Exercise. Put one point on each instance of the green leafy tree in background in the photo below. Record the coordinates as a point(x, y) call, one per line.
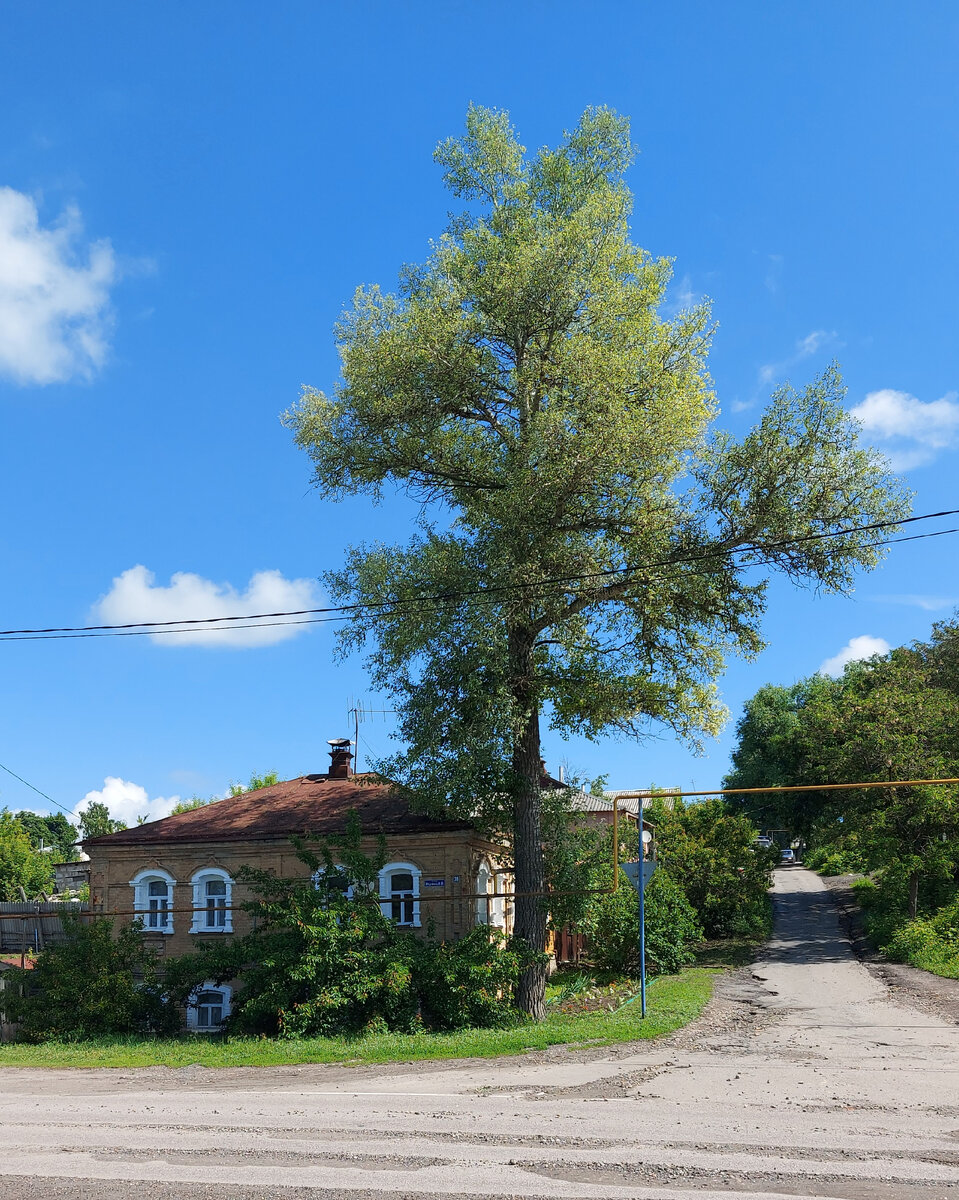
point(267, 779)
point(591, 551)
point(95, 821)
point(52, 830)
point(21, 866)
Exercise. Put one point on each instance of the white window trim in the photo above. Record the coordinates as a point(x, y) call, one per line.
point(193, 1012)
point(199, 900)
point(321, 871)
point(141, 897)
point(386, 891)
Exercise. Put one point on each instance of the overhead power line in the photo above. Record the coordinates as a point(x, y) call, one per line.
point(27, 783)
point(341, 612)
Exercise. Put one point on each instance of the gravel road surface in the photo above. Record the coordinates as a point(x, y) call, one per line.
point(806, 1076)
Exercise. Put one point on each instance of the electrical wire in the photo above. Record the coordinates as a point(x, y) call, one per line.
point(312, 616)
point(28, 784)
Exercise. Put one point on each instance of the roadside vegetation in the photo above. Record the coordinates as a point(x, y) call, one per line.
point(674, 1001)
point(326, 973)
point(893, 716)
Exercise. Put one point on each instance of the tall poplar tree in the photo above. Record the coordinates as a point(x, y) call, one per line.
point(588, 553)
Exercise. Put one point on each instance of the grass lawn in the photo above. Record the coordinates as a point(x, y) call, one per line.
point(673, 1001)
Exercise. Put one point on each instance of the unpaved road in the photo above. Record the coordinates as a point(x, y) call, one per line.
point(804, 1078)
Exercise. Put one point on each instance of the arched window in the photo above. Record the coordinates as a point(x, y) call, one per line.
point(484, 908)
point(208, 1007)
point(491, 911)
point(212, 901)
point(153, 899)
point(399, 893)
point(333, 883)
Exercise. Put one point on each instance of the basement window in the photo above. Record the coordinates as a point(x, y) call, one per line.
point(208, 1007)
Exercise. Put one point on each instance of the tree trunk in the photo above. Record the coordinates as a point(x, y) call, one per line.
point(529, 923)
point(913, 895)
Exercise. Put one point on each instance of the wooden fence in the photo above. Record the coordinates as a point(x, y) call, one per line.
point(34, 924)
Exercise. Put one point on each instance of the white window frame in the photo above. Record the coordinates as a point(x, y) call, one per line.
point(141, 898)
point(200, 909)
point(387, 896)
point(193, 1007)
point(317, 876)
point(492, 912)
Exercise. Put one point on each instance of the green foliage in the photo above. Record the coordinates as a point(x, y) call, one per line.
point(92, 985)
point(324, 962)
point(672, 930)
point(673, 1002)
point(21, 866)
point(525, 386)
point(95, 821)
point(711, 853)
point(257, 781)
point(52, 830)
point(894, 716)
point(469, 983)
point(191, 804)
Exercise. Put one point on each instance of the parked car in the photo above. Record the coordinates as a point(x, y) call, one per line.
point(787, 858)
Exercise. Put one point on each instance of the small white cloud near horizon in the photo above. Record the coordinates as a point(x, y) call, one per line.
point(136, 597)
point(864, 646)
point(909, 430)
point(806, 347)
point(55, 317)
point(126, 801)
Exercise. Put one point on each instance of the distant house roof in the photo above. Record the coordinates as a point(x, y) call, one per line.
point(311, 804)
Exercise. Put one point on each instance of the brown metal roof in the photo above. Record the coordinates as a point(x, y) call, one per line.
point(312, 804)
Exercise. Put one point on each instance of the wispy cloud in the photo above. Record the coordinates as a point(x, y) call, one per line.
point(864, 646)
point(774, 270)
point(915, 600)
point(136, 597)
point(806, 347)
point(911, 431)
point(682, 295)
point(55, 318)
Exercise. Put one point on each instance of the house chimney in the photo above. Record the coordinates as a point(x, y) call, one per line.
point(341, 758)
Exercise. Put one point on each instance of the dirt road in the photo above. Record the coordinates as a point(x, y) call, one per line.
point(804, 1078)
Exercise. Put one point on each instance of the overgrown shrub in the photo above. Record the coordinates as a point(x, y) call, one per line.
point(323, 960)
point(468, 983)
point(91, 985)
point(711, 854)
point(672, 929)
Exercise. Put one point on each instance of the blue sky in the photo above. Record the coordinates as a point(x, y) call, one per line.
point(190, 194)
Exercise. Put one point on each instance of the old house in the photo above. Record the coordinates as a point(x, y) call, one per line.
point(178, 876)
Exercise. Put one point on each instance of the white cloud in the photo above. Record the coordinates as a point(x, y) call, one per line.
point(136, 597)
point(926, 603)
point(806, 347)
point(864, 646)
point(54, 295)
point(914, 430)
point(126, 801)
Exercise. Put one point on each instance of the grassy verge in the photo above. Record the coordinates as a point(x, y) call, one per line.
point(674, 1001)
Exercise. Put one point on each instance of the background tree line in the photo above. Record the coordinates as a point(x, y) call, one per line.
point(893, 716)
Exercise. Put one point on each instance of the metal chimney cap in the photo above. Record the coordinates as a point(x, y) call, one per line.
point(339, 742)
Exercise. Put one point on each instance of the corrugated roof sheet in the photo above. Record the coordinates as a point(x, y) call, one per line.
point(311, 804)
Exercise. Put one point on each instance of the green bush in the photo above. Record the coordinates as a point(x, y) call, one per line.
point(323, 962)
point(469, 983)
point(836, 860)
point(672, 929)
point(92, 985)
point(711, 854)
